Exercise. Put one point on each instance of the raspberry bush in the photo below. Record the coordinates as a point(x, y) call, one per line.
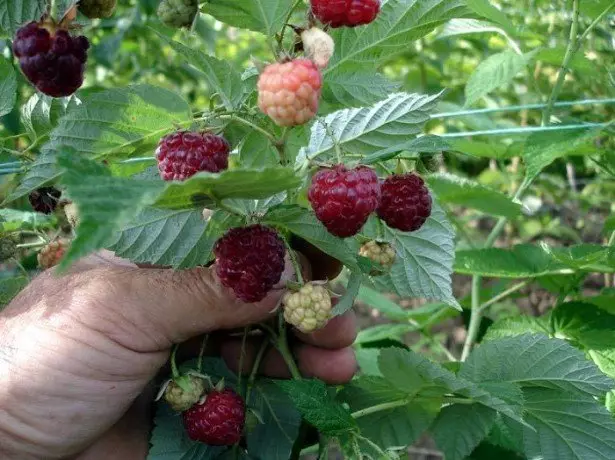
point(472, 227)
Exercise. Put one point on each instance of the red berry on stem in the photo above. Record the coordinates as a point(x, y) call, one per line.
point(344, 198)
point(349, 13)
point(250, 261)
point(288, 93)
point(405, 203)
point(218, 421)
point(183, 154)
point(54, 62)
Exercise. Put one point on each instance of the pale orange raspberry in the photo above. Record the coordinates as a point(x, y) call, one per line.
point(51, 254)
point(289, 92)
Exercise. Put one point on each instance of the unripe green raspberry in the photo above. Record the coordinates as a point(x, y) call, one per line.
point(7, 249)
point(185, 391)
point(381, 254)
point(308, 309)
point(178, 13)
point(97, 8)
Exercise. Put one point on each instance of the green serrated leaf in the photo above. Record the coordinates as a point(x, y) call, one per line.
point(495, 71)
point(425, 260)
point(415, 374)
point(15, 13)
point(274, 437)
point(542, 148)
point(399, 425)
point(463, 26)
point(265, 16)
point(354, 87)
point(535, 360)
point(106, 203)
point(256, 151)
point(222, 78)
point(43, 171)
point(8, 86)
point(121, 120)
point(488, 11)
point(313, 400)
point(41, 113)
point(518, 325)
point(589, 327)
point(399, 23)
point(465, 192)
point(528, 261)
point(352, 290)
point(594, 8)
point(369, 130)
point(205, 189)
point(459, 428)
point(180, 239)
point(303, 223)
point(568, 426)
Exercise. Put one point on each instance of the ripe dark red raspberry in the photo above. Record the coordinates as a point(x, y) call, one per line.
point(44, 199)
point(344, 198)
point(405, 203)
point(53, 61)
point(183, 154)
point(218, 421)
point(349, 13)
point(250, 261)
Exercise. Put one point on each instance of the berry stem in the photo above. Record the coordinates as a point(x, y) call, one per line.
point(280, 146)
point(282, 346)
point(242, 355)
point(255, 367)
point(199, 363)
point(293, 259)
point(174, 369)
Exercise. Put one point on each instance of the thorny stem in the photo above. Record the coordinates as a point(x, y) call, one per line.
point(570, 52)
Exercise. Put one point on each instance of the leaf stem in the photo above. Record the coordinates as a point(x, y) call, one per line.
point(503, 295)
point(293, 259)
point(255, 127)
point(475, 318)
point(380, 407)
point(255, 367)
point(571, 50)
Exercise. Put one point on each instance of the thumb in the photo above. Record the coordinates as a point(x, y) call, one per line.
point(160, 307)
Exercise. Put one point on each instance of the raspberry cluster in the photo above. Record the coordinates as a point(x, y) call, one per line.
point(344, 198)
point(250, 261)
point(218, 420)
point(182, 154)
point(289, 92)
point(348, 13)
point(53, 61)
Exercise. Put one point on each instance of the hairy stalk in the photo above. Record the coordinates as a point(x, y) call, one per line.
point(503, 295)
point(380, 407)
point(283, 348)
point(248, 123)
point(242, 354)
point(255, 367)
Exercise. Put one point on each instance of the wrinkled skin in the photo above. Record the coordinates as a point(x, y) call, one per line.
point(78, 353)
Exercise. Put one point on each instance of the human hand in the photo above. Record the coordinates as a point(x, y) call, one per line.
point(77, 353)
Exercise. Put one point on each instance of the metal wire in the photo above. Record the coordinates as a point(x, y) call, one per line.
point(524, 130)
point(516, 108)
